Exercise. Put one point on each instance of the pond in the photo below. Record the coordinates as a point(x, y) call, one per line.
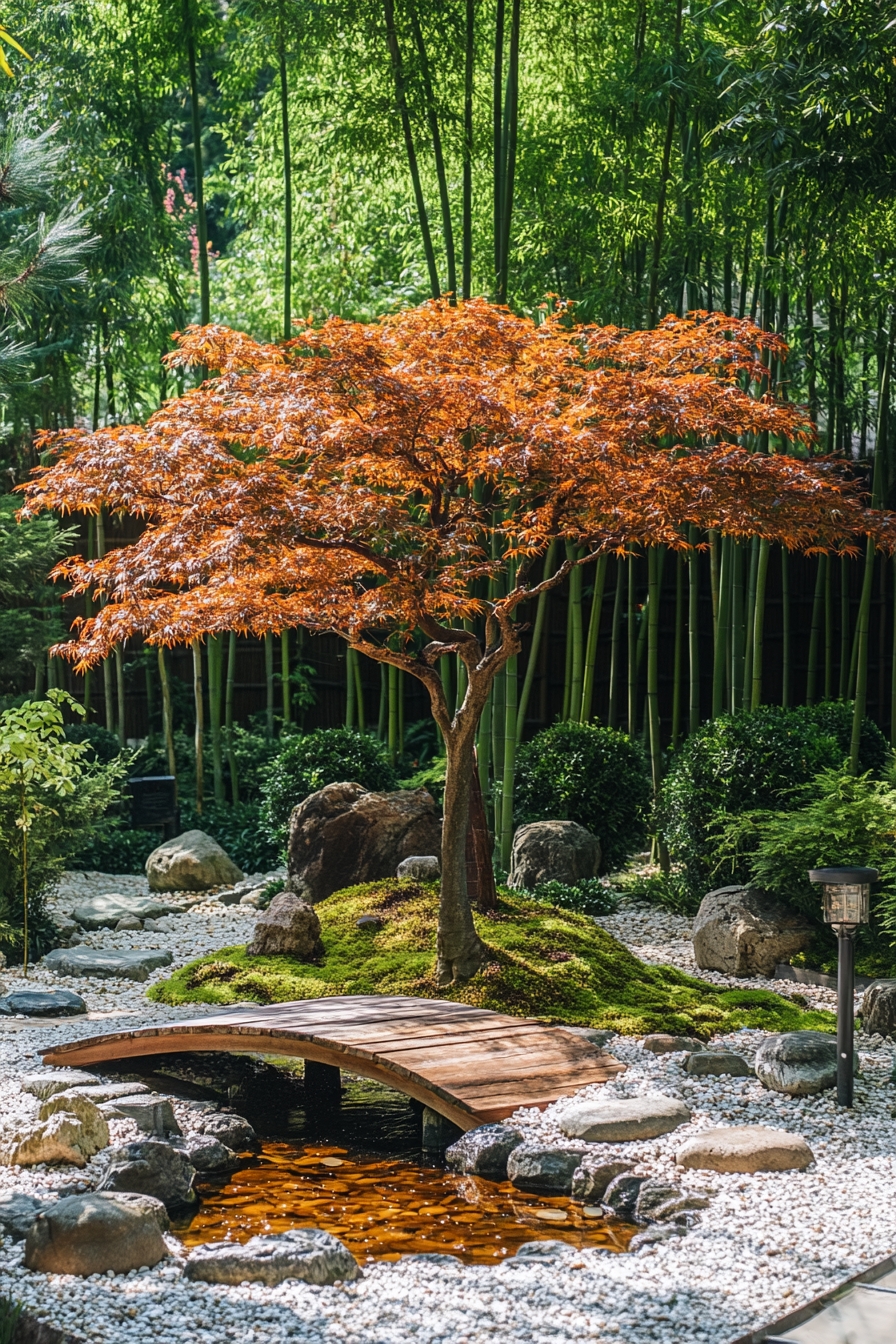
point(357, 1171)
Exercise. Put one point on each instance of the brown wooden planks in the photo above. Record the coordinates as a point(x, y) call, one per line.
point(467, 1063)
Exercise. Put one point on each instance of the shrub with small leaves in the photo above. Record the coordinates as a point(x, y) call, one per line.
point(326, 756)
point(588, 897)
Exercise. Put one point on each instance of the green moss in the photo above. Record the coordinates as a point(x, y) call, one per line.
point(543, 962)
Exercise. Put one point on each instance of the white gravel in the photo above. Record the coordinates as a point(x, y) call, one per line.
point(766, 1244)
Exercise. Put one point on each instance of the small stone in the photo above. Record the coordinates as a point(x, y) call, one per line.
point(95, 1233)
point(879, 1008)
point(658, 1202)
point(149, 1112)
point(231, 1130)
point(43, 1085)
point(191, 862)
point(484, 1151)
point(717, 1063)
point(799, 1063)
point(420, 868)
point(551, 1215)
point(542, 1169)
point(105, 964)
point(371, 922)
point(304, 1253)
point(18, 1211)
point(621, 1195)
point(290, 928)
point(231, 896)
point(590, 1180)
point(208, 1155)
point(745, 1148)
point(598, 1036)
point(660, 1043)
point(45, 1003)
point(653, 1235)
point(251, 898)
point(129, 923)
point(150, 1167)
point(617, 1119)
point(542, 1250)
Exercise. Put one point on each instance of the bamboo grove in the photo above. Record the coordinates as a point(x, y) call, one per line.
point(245, 164)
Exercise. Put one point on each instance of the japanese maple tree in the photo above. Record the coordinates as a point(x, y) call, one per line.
point(369, 480)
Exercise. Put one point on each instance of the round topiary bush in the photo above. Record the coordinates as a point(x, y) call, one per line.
point(104, 744)
point(761, 759)
point(326, 756)
point(590, 774)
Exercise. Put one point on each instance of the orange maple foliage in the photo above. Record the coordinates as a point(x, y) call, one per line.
point(369, 479)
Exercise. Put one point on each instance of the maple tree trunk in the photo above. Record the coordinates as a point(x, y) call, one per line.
point(460, 950)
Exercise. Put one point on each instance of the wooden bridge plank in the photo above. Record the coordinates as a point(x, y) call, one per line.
point(468, 1063)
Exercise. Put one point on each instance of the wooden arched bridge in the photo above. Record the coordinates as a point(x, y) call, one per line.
point(469, 1064)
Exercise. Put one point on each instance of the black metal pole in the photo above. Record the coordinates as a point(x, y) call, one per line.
point(845, 1011)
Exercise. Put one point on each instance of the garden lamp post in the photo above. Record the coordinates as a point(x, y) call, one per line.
point(845, 892)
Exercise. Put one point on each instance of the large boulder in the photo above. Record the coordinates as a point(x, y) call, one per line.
point(799, 1063)
point(744, 932)
point(745, 1148)
point(879, 1008)
point(343, 835)
point(191, 862)
point(301, 1253)
point(105, 911)
point(553, 851)
point(484, 1151)
point(62, 1137)
point(150, 1167)
point(91, 1234)
point(105, 963)
point(149, 1112)
point(288, 928)
point(618, 1119)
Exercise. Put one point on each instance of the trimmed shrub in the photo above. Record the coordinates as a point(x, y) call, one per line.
point(742, 762)
point(590, 774)
point(326, 756)
point(588, 897)
point(105, 746)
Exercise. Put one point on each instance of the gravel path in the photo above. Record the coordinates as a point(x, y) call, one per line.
point(765, 1244)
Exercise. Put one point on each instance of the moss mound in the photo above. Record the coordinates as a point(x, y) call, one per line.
point(543, 962)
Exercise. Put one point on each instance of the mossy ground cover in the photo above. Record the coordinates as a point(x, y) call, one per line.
point(543, 962)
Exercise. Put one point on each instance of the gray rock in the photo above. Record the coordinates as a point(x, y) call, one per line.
point(99, 1092)
point(231, 1130)
point(660, 1202)
point(105, 965)
point(191, 862)
point(651, 1236)
point(67, 931)
point(553, 851)
point(130, 924)
point(371, 922)
point(420, 867)
point(484, 1151)
point(43, 1085)
point(542, 1250)
point(149, 1112)
point(302, 1253)
point(879, 1008)
point(105, 911)
point(591, 1179)
point(716, 1063)
point(745, 1148)
point(62, 1137)
point(208, 1156)
point(617, 1119)
point(18, 1212)
point(743, 932)
point(343, 835)
point(536, 1167)
point(150, 1167)
point(288, 928)
point(799, 1063)
point(598, 1036)
point(252, 898)
point(621, 1196)
point(660, 1043)
point(45, 1003)
point(90, 1234)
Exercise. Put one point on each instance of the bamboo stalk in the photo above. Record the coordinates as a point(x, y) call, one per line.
point(498, 713)
point(577, 662)
point(594, 619)
point(541, 609)
point(349, 686)
point(120, 695)
point(815, 633)
point(167, 714)
point(394, 737)
point(749, 623)
point(228, 718)
point(693, 632)
point(720, 642)
point(759, 622)
point(615, 690)
point(198, 172)
point(215, 705)
point(845, 647)
point(654, 583)
point(287, 175)
point(467, 187)
point(359, 693)
point(511, 709)
point(269, 682)
point(285, 684)
point(199, 730)
point(828, 630)
point(786, 642)
point(382, 717)
point(678, 649)
point(738, 641)
point(861, 691)
point(432, 117)
point(631, 665)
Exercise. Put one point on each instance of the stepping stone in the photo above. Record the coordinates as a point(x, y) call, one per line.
point(105, 965)
point(662, 1044)
point(716, 1063)
point(484, 1151)
point(99, 1092)
point(799, 1063)
point(149, 1111)
point(104, 912)
point(617, 1119)
point(866, 1312)
point(745, 1148)
point(44, 1085)
point(302, 1253)
point(42, 1003)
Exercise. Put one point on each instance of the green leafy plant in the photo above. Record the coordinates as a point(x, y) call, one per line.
point(668, 891)
point(49, 795)
point(431, 778)
point(738, 763)
point(310, 762)
point(239, 829)
point(588, 897)
point(590, 774)
point(10, 1314)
